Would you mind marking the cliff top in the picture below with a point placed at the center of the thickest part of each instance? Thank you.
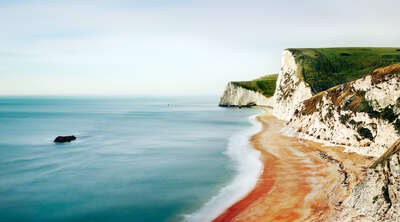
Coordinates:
(323, 68)
(264, 85)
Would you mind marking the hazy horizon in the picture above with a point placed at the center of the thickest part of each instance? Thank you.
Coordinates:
(97, 48)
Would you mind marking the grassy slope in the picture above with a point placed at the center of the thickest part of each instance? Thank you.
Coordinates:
(344, 97)
(264, 85)
(323, 68)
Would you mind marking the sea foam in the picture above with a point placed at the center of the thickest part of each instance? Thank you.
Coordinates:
(249, 168)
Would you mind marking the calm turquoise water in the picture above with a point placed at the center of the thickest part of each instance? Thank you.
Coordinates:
(136, 159)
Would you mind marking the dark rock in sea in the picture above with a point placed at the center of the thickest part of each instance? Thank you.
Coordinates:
(63, 139)
(239, 106)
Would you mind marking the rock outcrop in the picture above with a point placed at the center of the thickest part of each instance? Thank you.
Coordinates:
(362, 114)
(237, 96)
(291, 89)
(378, 195)
(64, 139)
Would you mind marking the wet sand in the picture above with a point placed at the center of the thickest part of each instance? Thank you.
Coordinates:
(301, 180)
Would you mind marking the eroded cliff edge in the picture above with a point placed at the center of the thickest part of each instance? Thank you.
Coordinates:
(308, 71)
(290, 89)
(362, 114)
(377, 196)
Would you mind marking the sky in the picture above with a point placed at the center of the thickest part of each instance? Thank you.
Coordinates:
(172, 47)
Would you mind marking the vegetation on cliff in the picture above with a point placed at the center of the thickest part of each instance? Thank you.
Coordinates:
(323, 68)
(358, 113)
(347, 98)
(264, 85)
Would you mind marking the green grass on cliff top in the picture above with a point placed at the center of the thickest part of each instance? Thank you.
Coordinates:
(323, 68)
(264, 85)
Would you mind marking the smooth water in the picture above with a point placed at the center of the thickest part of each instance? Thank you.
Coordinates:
(135, 159)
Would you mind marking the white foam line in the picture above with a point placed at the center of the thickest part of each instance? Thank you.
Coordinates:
(249, 168)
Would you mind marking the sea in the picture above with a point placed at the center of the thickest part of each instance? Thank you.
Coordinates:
(135, 158)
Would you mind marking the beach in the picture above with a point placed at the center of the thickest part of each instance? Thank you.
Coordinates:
(301, 180)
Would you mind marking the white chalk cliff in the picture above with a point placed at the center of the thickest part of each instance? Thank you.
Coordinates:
(361, 114)
(239, 96)
(378, 195)
(332, 115)
(290, 89)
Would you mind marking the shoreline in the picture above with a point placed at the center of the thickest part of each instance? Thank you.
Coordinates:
(263, 185)
(248, 170)
(296, 178)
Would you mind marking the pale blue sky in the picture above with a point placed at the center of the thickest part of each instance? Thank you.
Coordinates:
(172, 47)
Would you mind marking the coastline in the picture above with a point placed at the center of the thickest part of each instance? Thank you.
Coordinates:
(249, 167)
(296, 178)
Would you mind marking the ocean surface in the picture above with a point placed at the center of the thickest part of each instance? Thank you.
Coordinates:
(135, 159)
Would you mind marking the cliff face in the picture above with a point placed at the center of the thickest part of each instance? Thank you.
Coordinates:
(378, 195)
(239, 96)
(308, 71)
(363, 114)
(333, 95)
(291, 89)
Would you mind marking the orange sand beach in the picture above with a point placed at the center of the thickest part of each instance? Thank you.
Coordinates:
(301, 180)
